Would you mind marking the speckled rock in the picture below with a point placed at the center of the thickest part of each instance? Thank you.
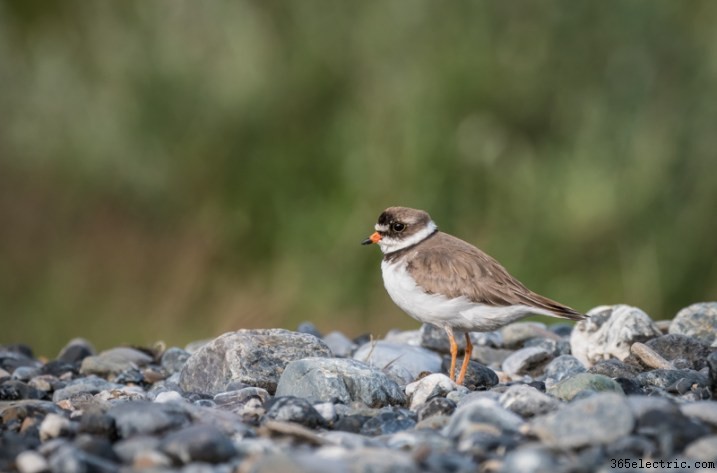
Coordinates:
(338, 379)
(389, 420)
(609, 332)
(254, 357)
(599, 419)
(667, 378)
(677, 346)
(699, 321)
(613, 368)
(114, 361)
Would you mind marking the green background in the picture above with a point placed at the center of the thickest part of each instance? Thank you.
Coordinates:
(175, 169)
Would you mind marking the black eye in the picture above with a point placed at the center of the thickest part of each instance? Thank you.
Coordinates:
(398, 227)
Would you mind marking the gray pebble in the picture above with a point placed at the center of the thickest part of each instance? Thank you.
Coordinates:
(114, 361)
(481, 411)
(699, 321)
(294, 409)
(340, 344)
(526, 401)
(173, 359)
(142, 417)
(527, 361)
(428, 387)
(600, 419)
(562, 367)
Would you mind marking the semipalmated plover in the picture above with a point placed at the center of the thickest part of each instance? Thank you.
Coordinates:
(439, 279)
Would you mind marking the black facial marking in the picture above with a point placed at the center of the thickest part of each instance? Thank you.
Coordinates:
(383, 218)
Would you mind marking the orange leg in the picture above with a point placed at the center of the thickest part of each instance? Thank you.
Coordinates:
(454, 353)
(466, 359)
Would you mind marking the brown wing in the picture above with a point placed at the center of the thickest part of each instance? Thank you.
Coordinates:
(450, 266)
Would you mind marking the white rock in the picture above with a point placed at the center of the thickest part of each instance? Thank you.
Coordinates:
(169, 396)
(52, 426)
(609, 332)
(30, 461)
(433, 385)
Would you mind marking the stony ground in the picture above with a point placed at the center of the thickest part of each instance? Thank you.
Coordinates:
(617, 392)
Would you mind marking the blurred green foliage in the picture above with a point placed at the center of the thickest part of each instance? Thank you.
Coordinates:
(172, 169)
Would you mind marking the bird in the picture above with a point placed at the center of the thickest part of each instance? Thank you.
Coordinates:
(439, 279)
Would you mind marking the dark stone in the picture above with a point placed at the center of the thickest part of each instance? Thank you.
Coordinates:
(97, 446)
(676, 346)
(70, 459)
(11, 445)
(76, 351)
(613, 368)
(670, 430)
(99, 424)
(309, 328)
(666, 378)
(59, 367)
(13, 390)
(388, 421)
(712, 363)
(436, 406)
(527, 361)
(12, 358)
(294, 409)
(350, 423)
(142, 417)
(198, 443)
(478, 376)
(630, 386)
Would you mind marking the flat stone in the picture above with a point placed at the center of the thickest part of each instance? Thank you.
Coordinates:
(600, 419)
(609, 331)
(114, 361)
(254, 357)
(142, 417)
(699, 321)
(338, 380)
(198, 443)
(527, 361)
(568, 388)
(613, 368)
(414, 360)
(526, 401)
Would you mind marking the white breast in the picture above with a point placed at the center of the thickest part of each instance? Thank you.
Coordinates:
(459, 313)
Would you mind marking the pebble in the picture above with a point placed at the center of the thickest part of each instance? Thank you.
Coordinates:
(338, 380)
(698, 321)
(429, 387)
(609, 331)
(345, 415)
(599, 419)
(254, 357)
(339, 344)
(526, 401)
(31, 462)
(568, 388)
(414, 360)
(527, 361)
(294, 409)
(562, 367)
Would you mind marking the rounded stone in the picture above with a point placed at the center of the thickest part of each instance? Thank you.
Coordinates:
(568, 388)
(698, 320)
(198, 443)
(254, 357)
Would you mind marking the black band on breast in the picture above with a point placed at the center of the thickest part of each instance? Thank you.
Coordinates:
(398, 253)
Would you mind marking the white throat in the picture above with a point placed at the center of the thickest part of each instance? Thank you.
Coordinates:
(389, 245)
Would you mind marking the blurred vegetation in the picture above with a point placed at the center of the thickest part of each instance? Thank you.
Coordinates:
(172, 169)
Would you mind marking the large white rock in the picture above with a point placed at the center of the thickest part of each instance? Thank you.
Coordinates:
(609, 332)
